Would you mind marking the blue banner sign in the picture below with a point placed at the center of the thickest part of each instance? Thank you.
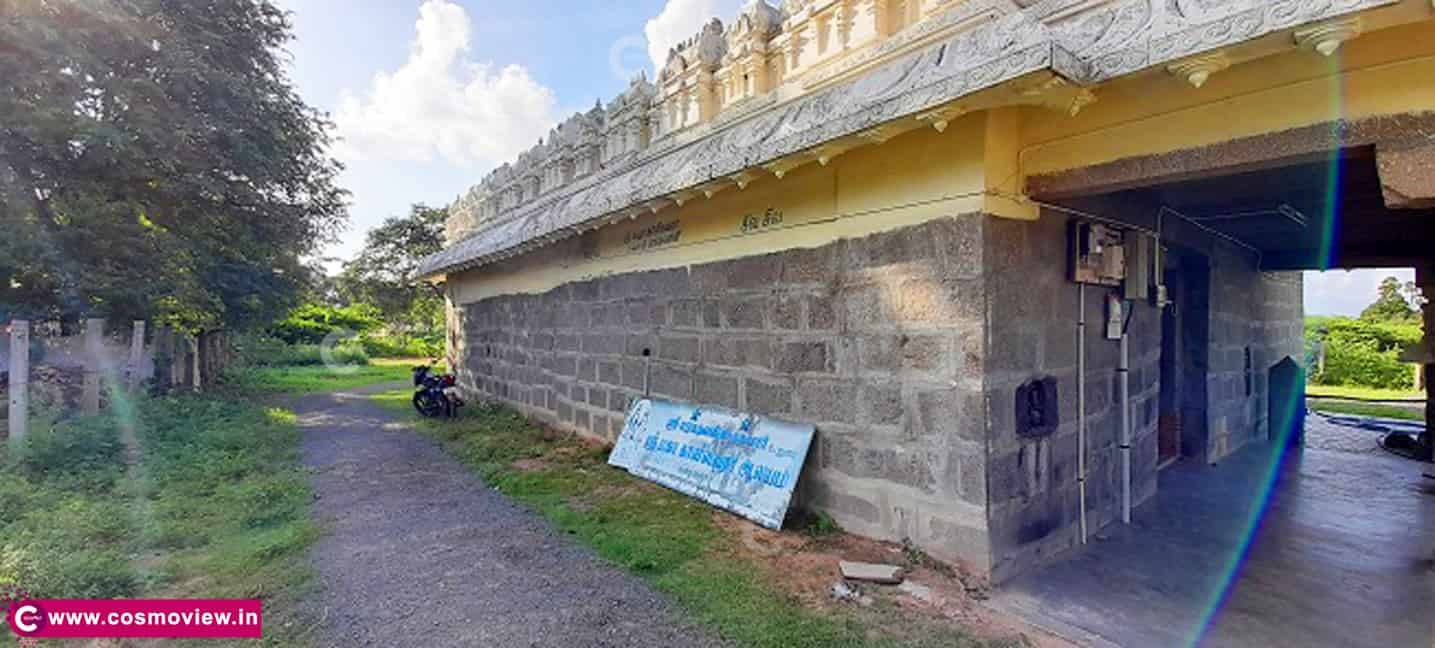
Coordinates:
(743, 463)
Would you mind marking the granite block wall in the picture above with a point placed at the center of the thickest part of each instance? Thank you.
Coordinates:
(1032, 333)
(878, 341)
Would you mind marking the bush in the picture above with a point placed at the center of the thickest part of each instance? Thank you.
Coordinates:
(272, 352)
(386, 346)
(312, 323)
(1360, 353)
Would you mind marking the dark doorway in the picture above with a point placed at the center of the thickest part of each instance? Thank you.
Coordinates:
(1184, 333)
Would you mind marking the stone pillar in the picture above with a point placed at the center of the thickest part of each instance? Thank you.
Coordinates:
(19, 379)
(94, 365)
(136, 363)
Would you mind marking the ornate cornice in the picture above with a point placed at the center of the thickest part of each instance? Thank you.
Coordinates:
(924, 72)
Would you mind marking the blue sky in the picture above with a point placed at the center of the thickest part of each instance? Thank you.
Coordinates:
(428, 96)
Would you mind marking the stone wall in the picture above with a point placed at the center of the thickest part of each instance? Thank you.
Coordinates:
(878, 341)
(1256, 320)
(1032, 333)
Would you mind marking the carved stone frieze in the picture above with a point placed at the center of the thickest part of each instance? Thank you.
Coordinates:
(604, 164)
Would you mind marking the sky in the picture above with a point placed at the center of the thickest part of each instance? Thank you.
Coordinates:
(427, 96)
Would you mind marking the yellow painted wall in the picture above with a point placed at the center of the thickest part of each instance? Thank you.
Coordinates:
(1387, 72)
(912, 178)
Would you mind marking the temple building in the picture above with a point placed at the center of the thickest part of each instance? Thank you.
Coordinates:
(1012, 258)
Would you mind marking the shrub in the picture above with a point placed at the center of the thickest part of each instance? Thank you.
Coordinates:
(312, 323)
(272, 352)
(385, 346)
(1360, 353)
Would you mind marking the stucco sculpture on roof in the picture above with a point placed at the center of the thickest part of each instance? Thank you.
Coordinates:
(800, 83)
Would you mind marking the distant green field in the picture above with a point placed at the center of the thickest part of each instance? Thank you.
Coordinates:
(1367, 409)
(1362, 393)
(319, 378)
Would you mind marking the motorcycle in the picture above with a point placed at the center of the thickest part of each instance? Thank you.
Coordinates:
(436, 395)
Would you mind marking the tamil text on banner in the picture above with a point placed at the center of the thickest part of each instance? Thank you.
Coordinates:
(743, 463)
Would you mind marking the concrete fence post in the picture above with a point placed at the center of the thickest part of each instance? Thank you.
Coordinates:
(177, 359)
(136, 363)
(196, 377)
(19, 379)
(94, 352)
(163, 338)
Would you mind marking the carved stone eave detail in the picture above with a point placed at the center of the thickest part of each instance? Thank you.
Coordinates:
(782, 166)
(743, 178)
(682, 197)
(1327, 38)
(941, 117)
(1062, 44)
(1197, 70)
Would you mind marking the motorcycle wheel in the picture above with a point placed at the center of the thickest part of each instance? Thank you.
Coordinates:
(430, 406)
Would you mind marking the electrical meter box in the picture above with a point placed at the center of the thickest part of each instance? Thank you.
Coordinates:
(1098, 254)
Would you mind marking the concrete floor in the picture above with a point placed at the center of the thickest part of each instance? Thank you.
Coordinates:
(1342, 558)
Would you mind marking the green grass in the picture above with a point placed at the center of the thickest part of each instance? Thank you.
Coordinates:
(1367, 409)
(310, 379)
(1363, 393)
(671, 540)
(217, 508)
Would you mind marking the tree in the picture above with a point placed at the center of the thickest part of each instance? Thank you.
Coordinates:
(1391, 305)
(156, 162)
(385, 272)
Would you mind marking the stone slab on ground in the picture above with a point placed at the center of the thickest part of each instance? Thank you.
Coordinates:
(883, 574)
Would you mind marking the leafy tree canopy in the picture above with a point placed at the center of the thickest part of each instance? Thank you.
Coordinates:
(156, 162)
(385, 272)
(1392, 304)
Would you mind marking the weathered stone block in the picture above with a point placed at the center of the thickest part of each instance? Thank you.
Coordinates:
(598, 397)
(581, 420)
(743, 312)
(822, 313)
(610, 373)
(867, 307)
(686, 313)
(672, 381)
(635, 374)
(642, 345)
(566, 342)
(966, 475)
(737, 352)
(768, 396)
(803, 357)
(565, 412)
(786, 312)
(827, 400)
(679, 348)
(587, 369)
(717, 389)
(883, 404)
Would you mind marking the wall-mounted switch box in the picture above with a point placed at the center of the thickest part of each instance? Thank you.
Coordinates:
(1037, 408)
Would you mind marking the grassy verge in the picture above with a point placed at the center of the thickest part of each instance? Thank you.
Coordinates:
(1367, 409)
(218, 508)
(1362, 393)
(672, 541)
(311, 379)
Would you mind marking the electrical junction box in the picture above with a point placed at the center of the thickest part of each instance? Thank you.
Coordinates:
(1098, 254)
(1141, 256)
(1037, 409)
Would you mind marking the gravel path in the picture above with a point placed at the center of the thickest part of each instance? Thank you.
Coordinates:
(420, 553)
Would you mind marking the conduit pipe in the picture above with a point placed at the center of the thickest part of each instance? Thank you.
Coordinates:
(1123, 373)
(1081, 404)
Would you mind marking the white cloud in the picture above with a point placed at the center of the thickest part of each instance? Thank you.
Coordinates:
(441, 103)
(682, 19)
(1339, 292)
